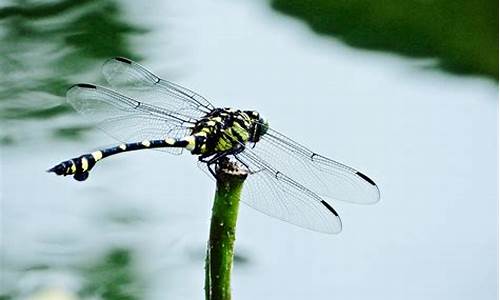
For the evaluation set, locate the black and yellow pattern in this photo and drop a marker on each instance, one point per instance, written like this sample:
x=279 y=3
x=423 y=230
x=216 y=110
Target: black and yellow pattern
x=285 y=179
x=80 y=166
x=222 y=131
x=225 y=130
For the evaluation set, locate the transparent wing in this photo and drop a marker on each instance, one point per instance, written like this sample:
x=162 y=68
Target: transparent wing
x=139 y=127
x=137 y=82
x=275 y=194
x=126 y=119
x=318 y=173
x=203 y=166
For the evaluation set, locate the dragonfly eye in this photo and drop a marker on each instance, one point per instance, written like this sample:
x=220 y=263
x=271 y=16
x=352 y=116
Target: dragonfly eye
x=260 y=129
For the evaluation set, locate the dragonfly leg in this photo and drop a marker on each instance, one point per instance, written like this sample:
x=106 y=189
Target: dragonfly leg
x=243 y=163
x=212 y=161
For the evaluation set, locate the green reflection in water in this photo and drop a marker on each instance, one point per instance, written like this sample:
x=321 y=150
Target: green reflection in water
x=6 y=140
x=26 y=113
x=71 y=132
x=48 y=46
x=463 y=34
x=114 y=277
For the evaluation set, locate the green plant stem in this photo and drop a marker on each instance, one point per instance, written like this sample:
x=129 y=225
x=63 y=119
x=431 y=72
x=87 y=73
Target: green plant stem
x=220 y=248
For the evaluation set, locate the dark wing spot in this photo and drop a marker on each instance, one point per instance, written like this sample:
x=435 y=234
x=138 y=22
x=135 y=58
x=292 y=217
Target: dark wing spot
x=365 y=178
x=329 y=207
x=123 y=59
x=86 y=85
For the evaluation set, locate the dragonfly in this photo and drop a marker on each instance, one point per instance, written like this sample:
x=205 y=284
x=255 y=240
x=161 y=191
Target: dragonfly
x=285 y=179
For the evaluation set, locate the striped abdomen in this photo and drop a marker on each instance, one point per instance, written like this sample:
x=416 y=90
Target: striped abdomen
x=80 y=166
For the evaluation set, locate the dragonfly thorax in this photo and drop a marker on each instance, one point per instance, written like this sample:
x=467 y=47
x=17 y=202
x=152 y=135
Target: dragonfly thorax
x=226 y=130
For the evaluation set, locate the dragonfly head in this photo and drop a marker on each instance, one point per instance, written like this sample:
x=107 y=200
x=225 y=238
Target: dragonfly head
x=260 y=126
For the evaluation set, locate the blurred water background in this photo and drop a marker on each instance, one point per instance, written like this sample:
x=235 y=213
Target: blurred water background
x=419 y=115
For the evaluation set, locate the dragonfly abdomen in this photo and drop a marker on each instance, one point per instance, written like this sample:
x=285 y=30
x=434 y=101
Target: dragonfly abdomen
x=80 y=166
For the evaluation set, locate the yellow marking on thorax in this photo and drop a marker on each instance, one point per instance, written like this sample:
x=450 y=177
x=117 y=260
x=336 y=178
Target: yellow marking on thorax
x=211 y=123
x=191 y=142
x=85 y=164
x=123 y=147
x=246 y=119
x=241 y=131
x=146 y=143
x=223 y=144
x=73 y=167
x=97 y=155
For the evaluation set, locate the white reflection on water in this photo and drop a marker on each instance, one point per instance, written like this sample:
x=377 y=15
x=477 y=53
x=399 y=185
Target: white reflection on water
x=429 y=140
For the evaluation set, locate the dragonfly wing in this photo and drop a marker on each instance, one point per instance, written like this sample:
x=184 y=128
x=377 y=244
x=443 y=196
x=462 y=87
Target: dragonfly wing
x=126 y=119
x=275 y=194
x=136 y=81
x=318 y=173
x=204 y=167
x=140 y=127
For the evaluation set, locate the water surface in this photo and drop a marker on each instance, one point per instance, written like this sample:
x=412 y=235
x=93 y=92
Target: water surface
x=429 y=140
